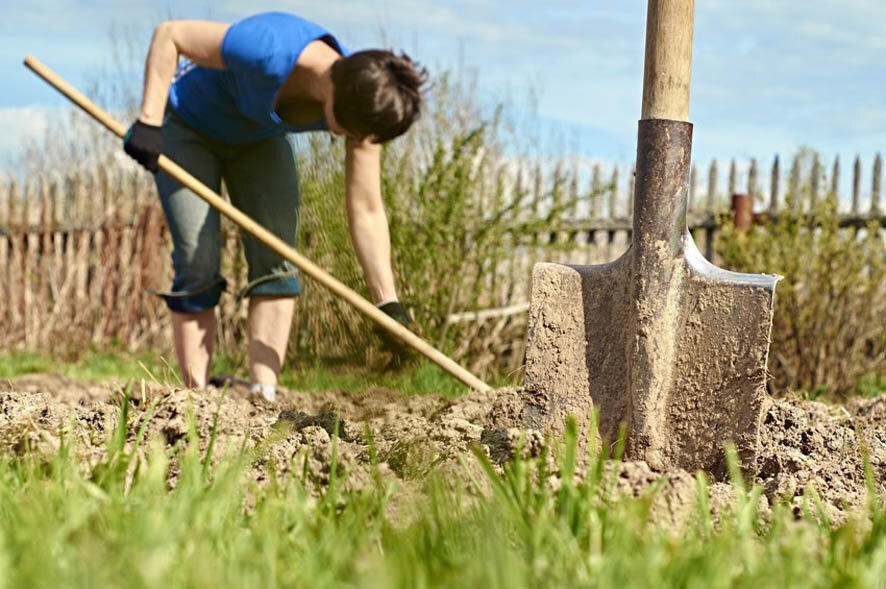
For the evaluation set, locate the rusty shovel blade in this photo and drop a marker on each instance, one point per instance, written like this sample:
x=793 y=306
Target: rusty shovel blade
x=660 y=341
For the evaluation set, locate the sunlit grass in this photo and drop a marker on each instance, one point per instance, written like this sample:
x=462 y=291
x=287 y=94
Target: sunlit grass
x=61 y=527
x=418 y=377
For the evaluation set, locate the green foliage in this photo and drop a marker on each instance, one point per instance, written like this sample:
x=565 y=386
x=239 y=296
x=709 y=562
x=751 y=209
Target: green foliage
x=828 y=335
x=122 y=526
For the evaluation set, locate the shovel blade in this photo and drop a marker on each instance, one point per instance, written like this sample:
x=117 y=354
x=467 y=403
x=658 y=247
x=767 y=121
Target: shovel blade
x=586 y=350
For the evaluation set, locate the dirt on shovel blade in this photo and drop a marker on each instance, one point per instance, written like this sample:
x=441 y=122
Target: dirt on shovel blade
x=805 y=444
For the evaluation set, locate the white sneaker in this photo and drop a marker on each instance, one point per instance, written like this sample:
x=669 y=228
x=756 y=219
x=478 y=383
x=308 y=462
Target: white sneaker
x=268 y=391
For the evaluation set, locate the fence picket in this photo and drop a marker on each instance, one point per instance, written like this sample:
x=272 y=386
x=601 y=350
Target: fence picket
x=814 y=182
x=4 y=250
x=773 y=187
x=794 y=185
x=557 y=237
x=58 y=246
x=28 y=258
x=712 y=188
x=733 y=180
x=856 y=184
x=632 y=178
x=752 y=181
x=536 y=240
x=514 y=241
x=575 y=237
x=835 y=179
x=44 y=263
x=613 y=193
x=596 y=195
x=16 y=245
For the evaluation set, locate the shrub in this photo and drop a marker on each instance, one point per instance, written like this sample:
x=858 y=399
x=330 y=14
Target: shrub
x=827 y=335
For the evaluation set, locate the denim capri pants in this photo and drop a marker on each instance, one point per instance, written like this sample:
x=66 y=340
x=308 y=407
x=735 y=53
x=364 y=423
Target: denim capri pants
x=261 y=181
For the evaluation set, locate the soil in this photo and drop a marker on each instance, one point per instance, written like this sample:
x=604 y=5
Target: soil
x=805 y=445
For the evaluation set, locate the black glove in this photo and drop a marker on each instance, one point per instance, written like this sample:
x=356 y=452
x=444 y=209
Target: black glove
x=144 y=143
x=399 y=351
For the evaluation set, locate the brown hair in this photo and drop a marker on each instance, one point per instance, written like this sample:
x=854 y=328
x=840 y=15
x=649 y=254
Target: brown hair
x=377 y=93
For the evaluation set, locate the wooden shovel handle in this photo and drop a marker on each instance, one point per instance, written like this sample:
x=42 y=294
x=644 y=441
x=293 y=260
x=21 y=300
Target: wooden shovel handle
x=668 y=67
x=265 y=236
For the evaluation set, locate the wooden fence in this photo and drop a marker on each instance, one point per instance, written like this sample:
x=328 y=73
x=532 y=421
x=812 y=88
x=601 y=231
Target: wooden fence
x=78 y=253
x=78 y=256
x=596 y=221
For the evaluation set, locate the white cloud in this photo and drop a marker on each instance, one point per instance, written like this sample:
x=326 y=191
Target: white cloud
x=20 y=124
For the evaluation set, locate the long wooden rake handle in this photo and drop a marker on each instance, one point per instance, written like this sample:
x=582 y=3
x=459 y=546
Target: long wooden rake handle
x=265 y=236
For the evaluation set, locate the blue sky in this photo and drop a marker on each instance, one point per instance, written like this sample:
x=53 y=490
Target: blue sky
x=768 y=75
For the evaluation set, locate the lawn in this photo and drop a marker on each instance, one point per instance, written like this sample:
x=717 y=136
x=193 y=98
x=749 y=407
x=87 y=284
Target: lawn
x=150 y=513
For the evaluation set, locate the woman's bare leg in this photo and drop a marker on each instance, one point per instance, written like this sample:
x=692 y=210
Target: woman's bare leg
x=268 y=326
x=194 y=335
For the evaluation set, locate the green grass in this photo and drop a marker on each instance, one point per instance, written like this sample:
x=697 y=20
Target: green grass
x=89 y=365
x=420 y=377
x=59 y=527
x=872 y=385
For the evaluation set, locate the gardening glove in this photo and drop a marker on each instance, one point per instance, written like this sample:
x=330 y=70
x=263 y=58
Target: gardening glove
x=144 y=143
x=400 y=352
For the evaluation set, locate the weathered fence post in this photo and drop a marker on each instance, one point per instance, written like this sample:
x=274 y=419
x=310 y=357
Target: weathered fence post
x=595 y=245
x=572 y=235
x=752 y=180
x=742 y=211
x=515 y=259
x=856 y=184
x=536 y=238
x=773 y=188
x=793 y=186
x=45 y=262
x=596 y=192
x=632 y=178
x=835 y=179
x=16 y=245
x=814 y=182
x=497 y=199
x=875 y=186
x=4 y=257
x=710 y=211
x=712 y=187
x=733 y=177
x=613 y=192
x=30 y=276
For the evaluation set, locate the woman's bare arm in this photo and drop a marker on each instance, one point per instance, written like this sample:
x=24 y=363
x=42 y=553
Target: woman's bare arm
x=366 y=218
x=198 y=40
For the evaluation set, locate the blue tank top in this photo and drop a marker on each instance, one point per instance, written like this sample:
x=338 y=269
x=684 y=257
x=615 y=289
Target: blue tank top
x=236 y=104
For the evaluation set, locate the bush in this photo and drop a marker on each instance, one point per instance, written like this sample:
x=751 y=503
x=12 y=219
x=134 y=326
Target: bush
x=827 y=335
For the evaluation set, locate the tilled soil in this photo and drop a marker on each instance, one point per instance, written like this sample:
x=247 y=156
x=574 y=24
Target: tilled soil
x=805 y=445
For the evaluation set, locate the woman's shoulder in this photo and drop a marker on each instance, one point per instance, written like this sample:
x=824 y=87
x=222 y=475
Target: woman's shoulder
x=267 y=42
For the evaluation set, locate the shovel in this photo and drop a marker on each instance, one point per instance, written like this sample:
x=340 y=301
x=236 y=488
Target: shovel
x=266 y=237
x=660 y=341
